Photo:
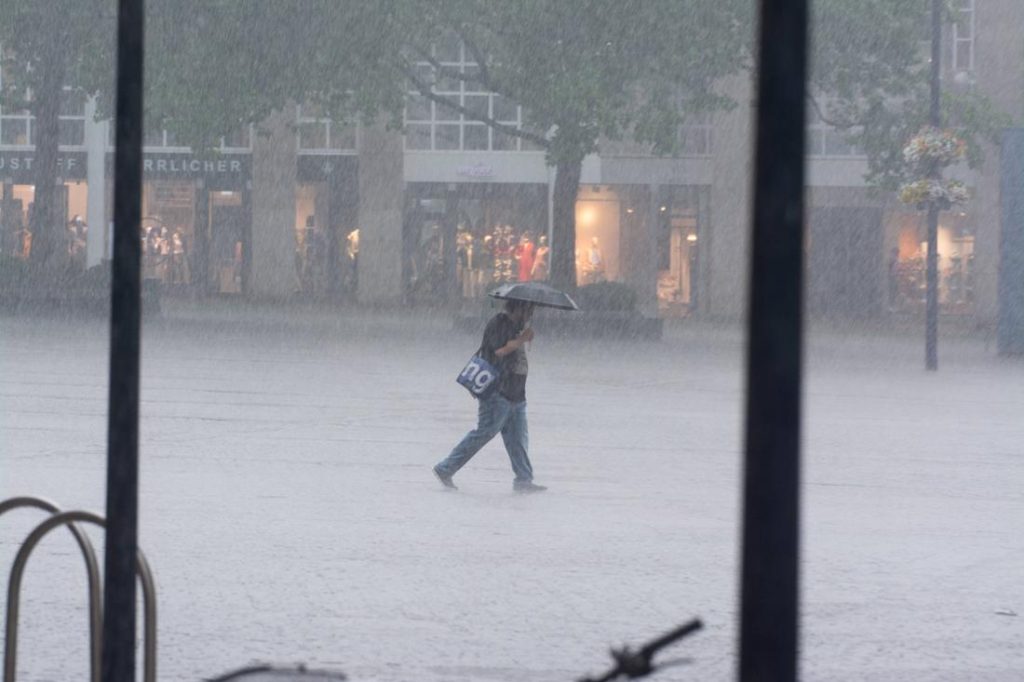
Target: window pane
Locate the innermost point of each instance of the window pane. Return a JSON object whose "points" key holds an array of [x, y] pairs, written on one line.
{"points": [[835, 145], [238, 138], [72, 103], [152, 137], [71, 132], [447, 83], [472, 71], [527, 146], [443, 113], [14, 131], [313, 135], [504, 142], [447, 137], [475, 137], [417, 136], [171, 139], [963, 55], [342, 136], [477, 104], [505, 109]]}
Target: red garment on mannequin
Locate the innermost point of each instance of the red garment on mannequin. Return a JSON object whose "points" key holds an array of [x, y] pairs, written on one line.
{"points": [[524, 253]]}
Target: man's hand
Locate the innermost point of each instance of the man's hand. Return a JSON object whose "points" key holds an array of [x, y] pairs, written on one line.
{"points": [[525, 335]]}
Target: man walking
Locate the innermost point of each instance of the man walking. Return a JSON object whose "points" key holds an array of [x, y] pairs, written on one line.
{"points": [[503, 410]]}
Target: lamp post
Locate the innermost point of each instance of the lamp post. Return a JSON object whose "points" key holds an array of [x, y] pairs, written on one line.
{"points": [[931, 341]]}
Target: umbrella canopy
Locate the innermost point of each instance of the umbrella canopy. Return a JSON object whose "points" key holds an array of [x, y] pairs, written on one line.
{"points": [[536, 293]]}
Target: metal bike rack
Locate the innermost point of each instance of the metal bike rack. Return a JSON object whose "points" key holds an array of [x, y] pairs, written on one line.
{"points": [[92, 569], [69, 519]]}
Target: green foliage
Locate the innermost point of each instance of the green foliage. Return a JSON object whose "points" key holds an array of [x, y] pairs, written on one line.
{"points": [[587, 70], [870, 78], [80, 31], [607, 297]]}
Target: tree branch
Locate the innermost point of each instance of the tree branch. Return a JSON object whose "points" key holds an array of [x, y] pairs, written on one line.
{"points": [[478, 57], [425, 90], [839, 125], [448, 71]]}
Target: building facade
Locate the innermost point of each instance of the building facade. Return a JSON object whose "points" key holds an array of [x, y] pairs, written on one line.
{"points": [[314, 208]]}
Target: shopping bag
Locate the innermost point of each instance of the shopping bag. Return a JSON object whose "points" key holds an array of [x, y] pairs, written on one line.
{"points": [[479, 377]]}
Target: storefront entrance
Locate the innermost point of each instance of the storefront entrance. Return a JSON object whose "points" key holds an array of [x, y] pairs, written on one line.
{"points": [[196, 223], [17, 199]]}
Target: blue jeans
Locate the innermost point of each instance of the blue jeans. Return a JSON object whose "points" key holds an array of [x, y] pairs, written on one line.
{"points": [[496, 414]]}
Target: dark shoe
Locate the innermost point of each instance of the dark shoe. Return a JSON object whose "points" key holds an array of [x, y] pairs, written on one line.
{"points": [[528, 487], [446, 481]]}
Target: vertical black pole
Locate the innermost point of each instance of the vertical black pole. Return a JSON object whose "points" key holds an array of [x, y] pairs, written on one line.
{"points": [[125, 315], [771, 514], [931, 340]]}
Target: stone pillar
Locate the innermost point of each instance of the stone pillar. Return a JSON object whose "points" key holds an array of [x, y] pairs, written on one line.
{"points": [[381, 193], [1001, 78], [96, 135], [1010, 326], [728, 237], [274, 178], [699, 302], [638, 255]]}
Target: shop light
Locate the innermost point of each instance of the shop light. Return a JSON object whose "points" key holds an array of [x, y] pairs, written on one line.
{"points": [[663, 209], [692, 237], [629, 210]]}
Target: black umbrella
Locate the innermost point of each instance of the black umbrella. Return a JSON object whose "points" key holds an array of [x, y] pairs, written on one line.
{"points": [[536, 293]]}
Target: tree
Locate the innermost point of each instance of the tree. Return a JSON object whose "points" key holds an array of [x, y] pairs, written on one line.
{"points": [[582, 72], [48, 44], [870, 79]]}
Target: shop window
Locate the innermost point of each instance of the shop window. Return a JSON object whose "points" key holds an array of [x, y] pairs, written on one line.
{"points": [[906, 266], [479, 234], [168, 232], [226, 239]]}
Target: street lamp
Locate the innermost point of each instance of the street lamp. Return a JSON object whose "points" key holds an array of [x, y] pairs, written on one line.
{"points": [[931, 347]]}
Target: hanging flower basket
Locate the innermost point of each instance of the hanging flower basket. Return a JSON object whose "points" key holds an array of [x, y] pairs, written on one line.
{"points": [[944, 194], [934, 146]]}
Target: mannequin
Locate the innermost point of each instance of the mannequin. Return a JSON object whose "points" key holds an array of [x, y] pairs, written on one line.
{"points": [[179, 266], [525, 257], [540, 261], [595, 262]]}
